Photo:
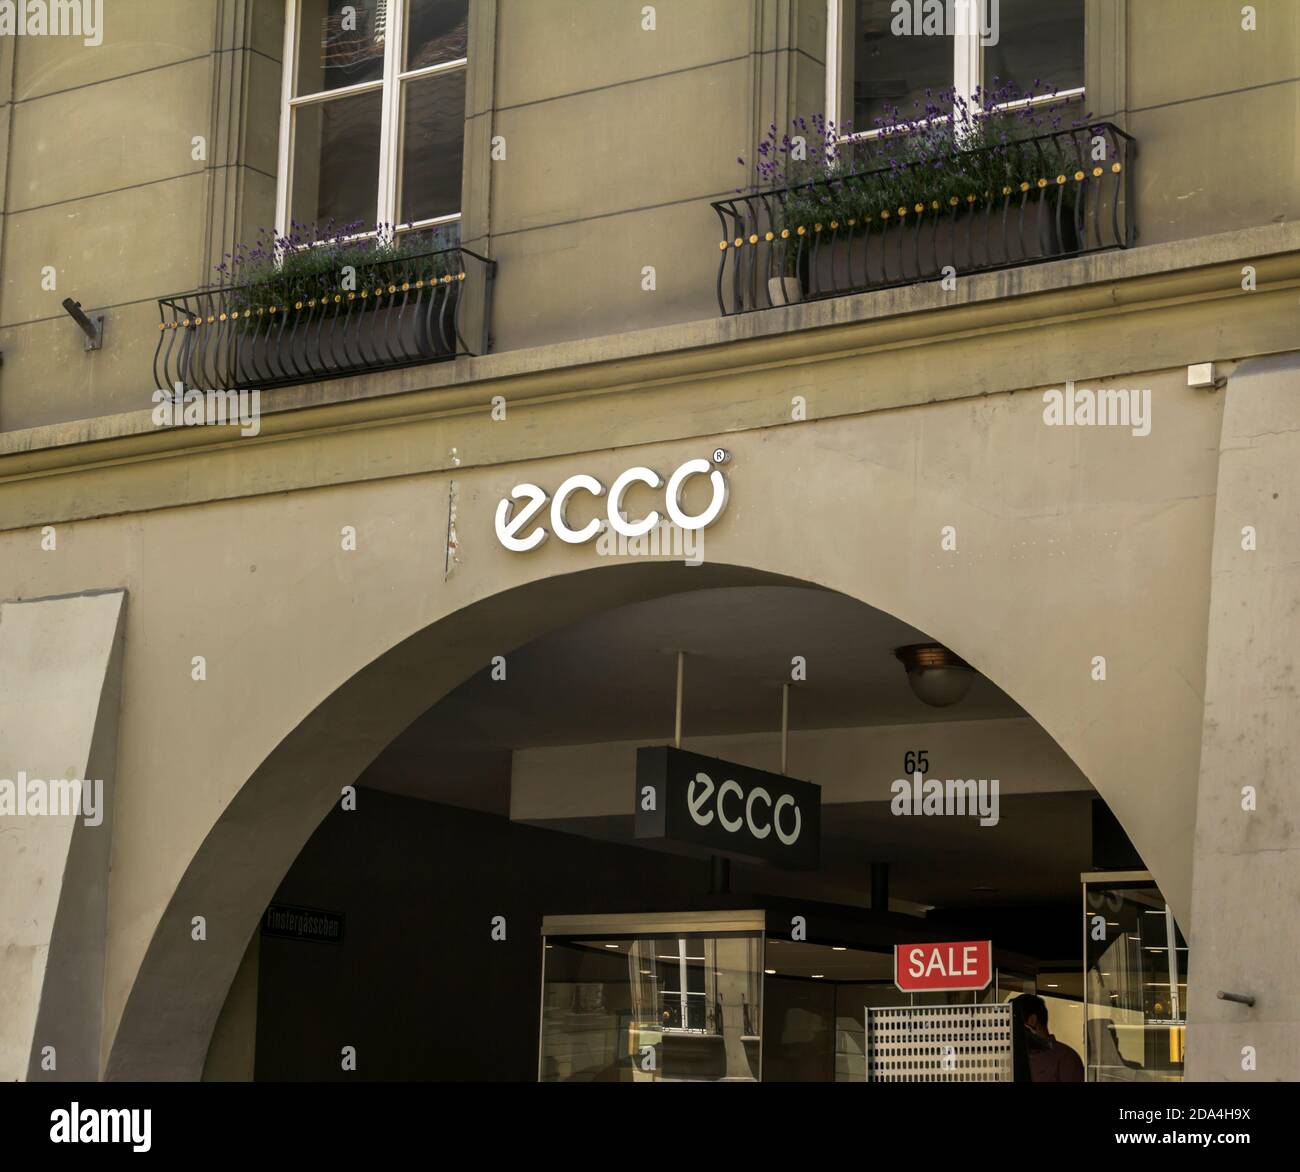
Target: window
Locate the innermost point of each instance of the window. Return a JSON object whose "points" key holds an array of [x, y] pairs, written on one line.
{"points": [[1135, 981], [373, 118], [691, 998], [682, 1004], [888, 53]]}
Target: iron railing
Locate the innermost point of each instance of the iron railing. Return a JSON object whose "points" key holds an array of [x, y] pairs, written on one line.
{"points": [[394, 313], [1060, 194]]}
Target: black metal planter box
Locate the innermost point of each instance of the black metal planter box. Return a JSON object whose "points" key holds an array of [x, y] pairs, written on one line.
{"points": [[368, 336], [224, 338], [900, 252], [775, 254]]}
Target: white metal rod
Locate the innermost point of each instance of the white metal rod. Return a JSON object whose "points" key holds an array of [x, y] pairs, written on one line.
{"points": [[785, 726], [681, 673]]}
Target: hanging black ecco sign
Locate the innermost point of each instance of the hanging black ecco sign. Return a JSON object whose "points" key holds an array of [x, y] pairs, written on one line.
{"points": [[727, 809]]}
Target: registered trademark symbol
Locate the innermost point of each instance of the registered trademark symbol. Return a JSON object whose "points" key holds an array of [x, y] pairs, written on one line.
{"points": [[721, 455]]}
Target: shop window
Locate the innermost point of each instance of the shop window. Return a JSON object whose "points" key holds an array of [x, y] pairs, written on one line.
{"points": [[372, 125], [886, 54], [1135, 982], [649, 1008]]}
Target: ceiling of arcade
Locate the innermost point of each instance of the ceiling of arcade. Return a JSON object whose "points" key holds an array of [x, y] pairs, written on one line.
{"points": [[577, 686]]}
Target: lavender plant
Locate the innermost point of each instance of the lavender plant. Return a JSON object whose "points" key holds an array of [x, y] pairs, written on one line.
{"points": [[946, 152], [307, 262]]}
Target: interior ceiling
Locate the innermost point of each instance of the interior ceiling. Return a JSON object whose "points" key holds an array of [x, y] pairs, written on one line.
{"points": [[1033, 856], [612, 677]]}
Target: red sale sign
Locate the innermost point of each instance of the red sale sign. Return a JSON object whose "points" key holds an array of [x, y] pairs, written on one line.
{"points": [[943, 968]]}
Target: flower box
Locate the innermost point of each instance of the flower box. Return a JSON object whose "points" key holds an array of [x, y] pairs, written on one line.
{"points": [[924, 247], [421, 309]]}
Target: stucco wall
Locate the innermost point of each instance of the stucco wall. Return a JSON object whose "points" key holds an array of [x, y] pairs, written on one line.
{"points": [[102, 186], [60, 664], [616, 139], [1247, 876], [1096, 544]]}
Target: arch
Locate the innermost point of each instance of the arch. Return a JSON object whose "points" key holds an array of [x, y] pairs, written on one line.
{"points": [[178, 991], [181, 984]]}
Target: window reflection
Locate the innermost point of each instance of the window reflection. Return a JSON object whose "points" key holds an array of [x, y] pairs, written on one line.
{"points": [[336, 160], [435, 32], [433, 139], [893, 72], [339, 44], [1037, 44], [1136, 985], [682, 1008]]}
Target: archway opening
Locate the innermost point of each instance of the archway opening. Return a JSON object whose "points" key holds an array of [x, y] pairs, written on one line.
{"points": [[487, 909]]}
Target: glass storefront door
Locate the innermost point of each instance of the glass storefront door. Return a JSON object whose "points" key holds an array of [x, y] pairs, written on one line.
{"points": [[710, 997], [1135, 981]]}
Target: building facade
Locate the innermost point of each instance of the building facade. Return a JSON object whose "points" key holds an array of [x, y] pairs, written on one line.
{"points": [[318, 656]]}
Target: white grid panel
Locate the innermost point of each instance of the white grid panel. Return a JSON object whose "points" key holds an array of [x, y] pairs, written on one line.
{"points": [[939, 1043]]}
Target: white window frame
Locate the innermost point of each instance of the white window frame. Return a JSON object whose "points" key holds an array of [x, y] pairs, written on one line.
{"points": [[682, 994], [967, 69], [392, 85]]}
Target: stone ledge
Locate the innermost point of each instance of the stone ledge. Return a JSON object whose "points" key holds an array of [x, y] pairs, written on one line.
{"points": [[1117, 281]]}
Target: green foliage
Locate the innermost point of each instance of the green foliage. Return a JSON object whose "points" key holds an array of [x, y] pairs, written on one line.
{"points": [[282, 271], [950, 157]]}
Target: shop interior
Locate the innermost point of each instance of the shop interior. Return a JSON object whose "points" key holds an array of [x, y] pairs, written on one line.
{"points": [[503, 921]]}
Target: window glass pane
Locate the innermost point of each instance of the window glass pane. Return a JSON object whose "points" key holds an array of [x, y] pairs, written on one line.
{"points": [[892, 66], [1135, 985], [1037, 42], [336, 160], [606, 1004], [339, 43], [435, 238], [433, 136], [435, 31]]}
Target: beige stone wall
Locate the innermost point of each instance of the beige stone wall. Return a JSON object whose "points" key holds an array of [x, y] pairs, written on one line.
{"points": [[232, 1055], [923, 411], [1096, 544], [1216, 111], [1247, 877], [102, 187], [1073, 544], [617, 139], [60, 679]]}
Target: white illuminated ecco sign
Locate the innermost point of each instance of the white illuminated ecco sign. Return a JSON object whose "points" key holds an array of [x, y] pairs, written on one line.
{"points": [[509, 524], [698, 800], [723, 808]]}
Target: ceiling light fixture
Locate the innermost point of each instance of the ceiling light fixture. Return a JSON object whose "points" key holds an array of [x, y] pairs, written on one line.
{"points": [[936, 676]]}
